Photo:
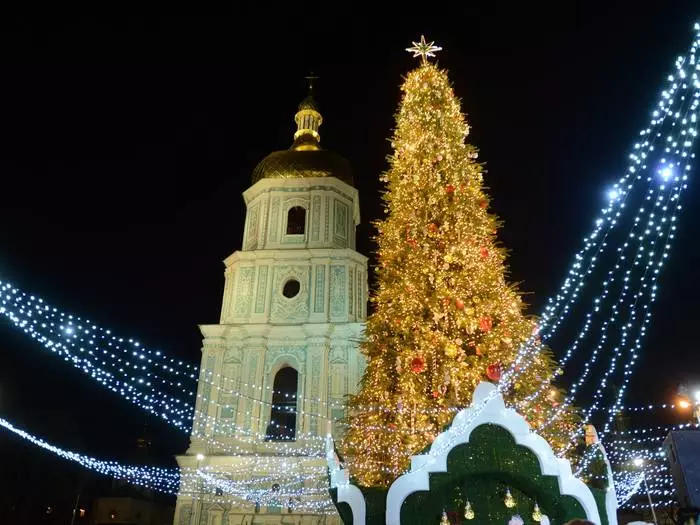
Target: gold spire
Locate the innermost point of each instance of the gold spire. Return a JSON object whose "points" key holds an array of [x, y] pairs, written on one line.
{"points": [[308, 121]]}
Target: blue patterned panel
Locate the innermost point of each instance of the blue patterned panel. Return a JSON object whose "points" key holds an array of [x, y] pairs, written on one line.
{"points": [[338, 290], [274, 218], [316, 218], [319, 299], [252, 232], [245, 291], [185, 514], [261, 291], [340, 223], [360, 295], [326, 220], [351, 289], [207, 376]]}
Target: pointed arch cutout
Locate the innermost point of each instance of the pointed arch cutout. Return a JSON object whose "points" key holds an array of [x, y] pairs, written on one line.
{"points": [[283, 411]]}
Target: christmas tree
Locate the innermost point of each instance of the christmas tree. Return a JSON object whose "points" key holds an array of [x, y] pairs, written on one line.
{"points": [[445, 318]]}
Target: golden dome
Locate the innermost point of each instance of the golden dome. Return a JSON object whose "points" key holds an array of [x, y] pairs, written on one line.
{"points": [[305, 158], [297, 164]]}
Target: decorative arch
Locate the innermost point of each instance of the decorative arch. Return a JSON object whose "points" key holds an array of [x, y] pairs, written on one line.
{"points": [[528, 468], [488, 407]]}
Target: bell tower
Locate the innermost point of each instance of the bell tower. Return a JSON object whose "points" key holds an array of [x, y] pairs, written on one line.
{"points": [[276, 369]]}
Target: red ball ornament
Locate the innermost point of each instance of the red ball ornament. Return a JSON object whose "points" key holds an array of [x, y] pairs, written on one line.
{"points": [[493, 371], [485, 324], [459, 304], [392, 426], [433, 227], [484, 253], [418, 365], [483, 204], [450, 189], [436, 394]]}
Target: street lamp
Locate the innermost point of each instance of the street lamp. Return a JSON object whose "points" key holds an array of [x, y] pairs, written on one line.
{"points": [[639, 463], [686, 402]]}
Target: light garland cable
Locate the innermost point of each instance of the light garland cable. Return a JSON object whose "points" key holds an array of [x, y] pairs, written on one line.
{"points": [[624, 328], [668, 168], [649, 430], [162, 479], [148, 379], [167, 480], [618, 196], [106, 358]]}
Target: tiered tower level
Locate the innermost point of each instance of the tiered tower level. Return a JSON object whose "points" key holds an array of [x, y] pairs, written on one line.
{"points": [[276, 370]]}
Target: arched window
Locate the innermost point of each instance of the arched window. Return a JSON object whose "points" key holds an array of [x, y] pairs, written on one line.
{"points": [[296, 220], [283, 415]]}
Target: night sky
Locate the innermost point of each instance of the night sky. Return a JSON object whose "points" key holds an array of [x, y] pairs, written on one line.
{"points": [[125, 145]]}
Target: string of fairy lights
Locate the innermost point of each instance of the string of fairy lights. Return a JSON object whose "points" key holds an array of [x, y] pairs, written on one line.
{"points": [[161, 384], [288, 475], [618, 196], [663, 159]]}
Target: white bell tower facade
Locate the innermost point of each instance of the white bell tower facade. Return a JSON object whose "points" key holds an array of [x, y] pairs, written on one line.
{"points": [[276, 371]]}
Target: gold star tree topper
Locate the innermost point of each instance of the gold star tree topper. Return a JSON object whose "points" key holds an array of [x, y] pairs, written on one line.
{"points": [[423, 49]]}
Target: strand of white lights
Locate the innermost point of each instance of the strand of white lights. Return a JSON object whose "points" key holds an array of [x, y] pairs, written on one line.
{"points": [[670, 167], [659, 504], [626, 485], [61, 333], [162, 479], [666, 169], [623, 453], [624, 327], [203, 415], [123, 366], [660, 428], [237, 390], [652, 267], [649, 408], [617, 199], [110, 359], [166, 480], [596, 307], [301, 498], [649, 439], [264, 449]]}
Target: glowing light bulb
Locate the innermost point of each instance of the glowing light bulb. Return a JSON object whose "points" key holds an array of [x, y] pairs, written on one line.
{"points": [[509, 501], [666, 173], [536, 513], [613, 194], [468, 511]]}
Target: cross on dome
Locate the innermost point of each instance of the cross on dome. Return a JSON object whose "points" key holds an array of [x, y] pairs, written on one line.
{"points": [[311, 79]]}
